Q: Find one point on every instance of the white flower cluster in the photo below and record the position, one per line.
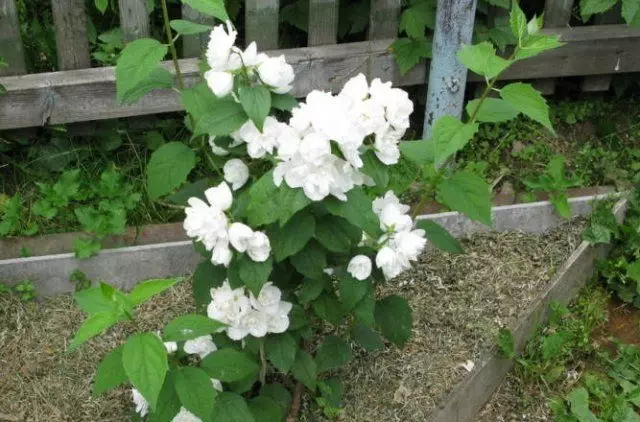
(207, 223)
(357, 114)
(226, 60)
(246, 315)
(401, 243)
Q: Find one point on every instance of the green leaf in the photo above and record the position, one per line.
(94, 325)
(254, 274)
(631, 12)
(409, 52)
(366, 337)
(332, 353)
(482, 59)
(231, 407)
(440, 237)
(168, 168)
(518, 22)
(213, 8)
(229, 365)
(86, 247)
(195, 391)
(279, 394)
(136, 63)
(284, 102)
(159, 78)
(310, 289)
(292, 237)
(468, 193)
(265, 409)
(191, 190)
(190, 326)
(212, 115)
(357, 210)
(304, 369)
(579, 402)
(110, 373)
(263, 207)
(93, 301)
(492, 110)
(365, 310)
(153, 140)
(393, 317)
(102, 5)
(168, 401)
(206, 277)
(633, 271)
(256, 101)
(561, 204)
(147, 289)
(184, 27)
(506, 343)
(352, 291)
(536, 44)
(528, 101)
(450, 135)
(416, 19)
(552, 345)
(328, 308)
(144, 359)
(310, 261)
(281, 351)
(421, 152)
(376, 169)
(337, 234)
(593, 7)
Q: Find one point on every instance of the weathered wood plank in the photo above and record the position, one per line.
(557, 14)
(323, 22)
(602, 82)
(261, 23)
(383, 19)
(134, 19)
(72, 44)
(194, 45)
(89, 94)
(11, 48)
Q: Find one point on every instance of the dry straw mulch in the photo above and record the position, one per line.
(459, 302)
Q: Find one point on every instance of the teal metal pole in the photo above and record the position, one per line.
(447, 76)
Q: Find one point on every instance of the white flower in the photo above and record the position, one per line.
(221, 83)
(185, 416)
(268, 300)
(387, 261)
(239, 235)
(392, 218)
(259, 247)
(205, 223)
(142, 406)
(261, 143)
(171, 346)
(220, 196)
(386, 145)
(221, 254)
(277, 74)
(228, 305)
(389, 198)
(360, 267)
(216, 149)
(219, 47)
(255, 322)
(236, 172)
(217, 385)
(279, 323)
(315, 148)
(249, 58)
(356, 88)
(200, 346)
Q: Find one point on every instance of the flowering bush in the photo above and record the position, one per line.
(297, 231)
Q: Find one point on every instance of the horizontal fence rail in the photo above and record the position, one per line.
(89, 94)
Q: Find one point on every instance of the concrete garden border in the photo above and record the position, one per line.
(126, 266)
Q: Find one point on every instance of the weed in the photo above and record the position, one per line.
(24, 290)
(555, 181)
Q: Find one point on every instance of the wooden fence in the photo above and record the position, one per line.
(78, 93)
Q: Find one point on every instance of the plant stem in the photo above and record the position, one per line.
(295, 404)
(172, 46)
(263, 362)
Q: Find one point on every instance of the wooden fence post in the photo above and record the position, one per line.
(134, 19)
(193, 45)
(447, 76)
(323, 22)
(72, 43)
(383, 19)
(601, 82)
(261, 23)
(11, 48)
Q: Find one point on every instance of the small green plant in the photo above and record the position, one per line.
(80, 279)
(506, 344)
(108, 46)
(12, 221)
(25, 290)
(555, 181)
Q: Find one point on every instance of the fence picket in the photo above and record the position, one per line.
(602, 82)
(383, 19)
(70, 20)
(261, 23)
(11, 48)
(134, 19)
(323, 22)
(193, 45)
(557, 14)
